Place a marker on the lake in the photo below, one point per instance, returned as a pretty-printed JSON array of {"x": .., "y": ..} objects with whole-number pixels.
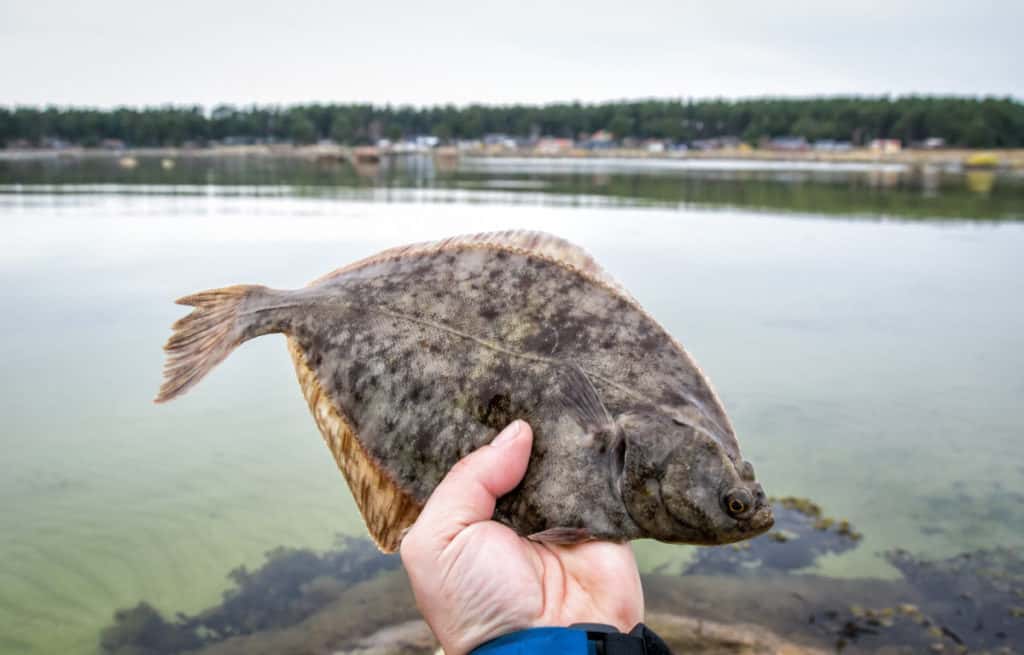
[{"x": 864, "y": 328}]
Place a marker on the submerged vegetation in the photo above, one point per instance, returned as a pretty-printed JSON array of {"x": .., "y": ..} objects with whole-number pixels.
[
  {"x": 291, "y": 586},
  {"x": 959, "y": 121},
  {"x": 732, "y": 600},
  {"x": 802, "y": 534}
]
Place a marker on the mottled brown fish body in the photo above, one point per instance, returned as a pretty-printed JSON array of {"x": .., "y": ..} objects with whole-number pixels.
[{"x": 414, "y": 358}]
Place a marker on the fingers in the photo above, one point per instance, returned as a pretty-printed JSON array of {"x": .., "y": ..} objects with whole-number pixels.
[{"x": 469, "y": 492}]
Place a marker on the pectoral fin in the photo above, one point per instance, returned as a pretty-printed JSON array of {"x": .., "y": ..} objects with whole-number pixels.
[{"x": 580, "y": 399}]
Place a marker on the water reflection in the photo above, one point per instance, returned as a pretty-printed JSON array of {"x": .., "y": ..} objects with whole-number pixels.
[
  {"x": 980, "y": 181},
  {"x": 850, "y": 189}
]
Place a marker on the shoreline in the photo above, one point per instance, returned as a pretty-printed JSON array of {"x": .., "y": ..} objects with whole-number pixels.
[{"x": 993, "y": 159}]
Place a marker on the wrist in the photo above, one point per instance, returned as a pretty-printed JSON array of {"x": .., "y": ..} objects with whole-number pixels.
[
  {"x": 577, "y": 639},
  {"x": 568, "y": 641}
]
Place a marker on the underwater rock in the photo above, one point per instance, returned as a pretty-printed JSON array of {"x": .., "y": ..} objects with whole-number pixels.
[
  {"x": 803, "y": 610},
  {"x": 802, "y": 534},
  {"x": 409, "y": 638},
  {"x": 842, "y": 615},
  {"x": 413, "y": 637},
  {"x": 686, "y": 635}
]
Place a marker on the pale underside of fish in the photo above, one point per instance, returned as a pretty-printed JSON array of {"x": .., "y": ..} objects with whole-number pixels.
[{"x": 413, "y": 358}]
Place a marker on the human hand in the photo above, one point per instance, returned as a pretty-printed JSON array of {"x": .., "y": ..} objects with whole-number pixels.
[{"x": 475, "y": 579}]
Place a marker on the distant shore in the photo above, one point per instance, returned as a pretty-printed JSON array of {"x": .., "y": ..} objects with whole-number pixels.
[{"x": 998, "y": 159}]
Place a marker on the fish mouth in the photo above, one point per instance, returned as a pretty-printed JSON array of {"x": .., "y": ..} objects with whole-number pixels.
[{"x": 762, "y": 521}]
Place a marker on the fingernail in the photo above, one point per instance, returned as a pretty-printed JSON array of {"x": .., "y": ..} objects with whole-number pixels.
[{"x": 508, "y": 434}]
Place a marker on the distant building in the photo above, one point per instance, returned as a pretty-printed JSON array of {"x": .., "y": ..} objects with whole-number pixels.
[
  {"x": 786, "y": 144},
  {"x": 551, "y": 145},
  {"x": 54, "y": 143},
  {"x": 238, "y": 141},
  {"x": 716, "y": 143},
  {"x": 934, "y": 143},
  {"x": 885, "y": 146},
  {"x": 831, "y": 145},
  {"x": 500, "y": 141},
  {"x": 420, "y": 143},
  {"x": 599, "y": 140}
]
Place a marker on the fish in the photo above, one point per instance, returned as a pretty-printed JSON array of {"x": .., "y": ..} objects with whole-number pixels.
[{"x": 415, "y": 357}]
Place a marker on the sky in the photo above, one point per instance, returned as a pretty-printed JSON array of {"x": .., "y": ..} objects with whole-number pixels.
[{"x": 107, "y": 53}]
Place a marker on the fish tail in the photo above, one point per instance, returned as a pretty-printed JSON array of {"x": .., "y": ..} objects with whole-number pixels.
[{"x": 221, "y": 321}]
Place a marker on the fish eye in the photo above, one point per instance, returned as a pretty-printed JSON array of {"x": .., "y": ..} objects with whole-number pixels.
[{"x": 737, "y": 501}]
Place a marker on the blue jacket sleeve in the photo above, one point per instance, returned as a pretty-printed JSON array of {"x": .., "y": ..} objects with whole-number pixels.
[{"x": 539, "y": 641}]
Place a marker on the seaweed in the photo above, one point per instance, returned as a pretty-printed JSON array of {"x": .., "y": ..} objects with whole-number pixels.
[
  {"x": 802, "y": 534},
  {"x": 967, "y": 513},
  {"x": 141, "y": 630},
  {"x": 300, "y": 601},
  {"x": 974, "y": 598},
  {"x": 292, "y": 585},
  {"x": 903, "y": 626},
  {"x": 973, "y": 602}
]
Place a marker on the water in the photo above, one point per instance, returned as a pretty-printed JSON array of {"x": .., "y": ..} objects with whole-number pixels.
[{"x": 874, "y": 366}]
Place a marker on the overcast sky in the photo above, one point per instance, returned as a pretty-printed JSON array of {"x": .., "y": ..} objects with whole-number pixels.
[{"x": 127, "y": 52}]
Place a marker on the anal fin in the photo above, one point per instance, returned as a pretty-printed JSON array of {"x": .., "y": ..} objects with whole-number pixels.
[{"x": 387, "y": 510}]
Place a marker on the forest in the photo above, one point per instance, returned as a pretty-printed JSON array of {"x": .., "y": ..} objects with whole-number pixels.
[{"x": 959, "y": 121}]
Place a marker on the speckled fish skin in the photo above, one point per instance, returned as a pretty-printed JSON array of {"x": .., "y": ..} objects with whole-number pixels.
[{"x": 429, "y": 353}]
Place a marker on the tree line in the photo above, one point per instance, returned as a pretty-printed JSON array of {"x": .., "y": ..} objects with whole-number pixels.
[{"x": 960, "y": 121}]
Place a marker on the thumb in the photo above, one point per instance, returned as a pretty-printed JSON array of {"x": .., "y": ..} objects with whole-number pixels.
[{"x": 468, "y": 493}]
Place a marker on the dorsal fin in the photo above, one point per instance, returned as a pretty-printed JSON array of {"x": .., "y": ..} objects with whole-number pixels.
[{"x": 537, "y": 243}]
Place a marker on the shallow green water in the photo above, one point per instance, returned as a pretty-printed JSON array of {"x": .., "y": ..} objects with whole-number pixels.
[{"x": 875, "y": 366}]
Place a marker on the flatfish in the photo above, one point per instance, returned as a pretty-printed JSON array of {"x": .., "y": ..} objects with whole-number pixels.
[{"x": 414, "y": 357}]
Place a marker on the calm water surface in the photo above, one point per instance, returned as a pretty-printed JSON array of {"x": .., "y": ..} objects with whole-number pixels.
[{"x": 876, "y": 367}]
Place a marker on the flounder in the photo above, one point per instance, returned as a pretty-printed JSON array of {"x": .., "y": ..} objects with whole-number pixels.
[{"x": 413, "y": 358}]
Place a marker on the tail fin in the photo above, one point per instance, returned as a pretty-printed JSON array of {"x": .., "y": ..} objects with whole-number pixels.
[{"x": 205, "y": 337}]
